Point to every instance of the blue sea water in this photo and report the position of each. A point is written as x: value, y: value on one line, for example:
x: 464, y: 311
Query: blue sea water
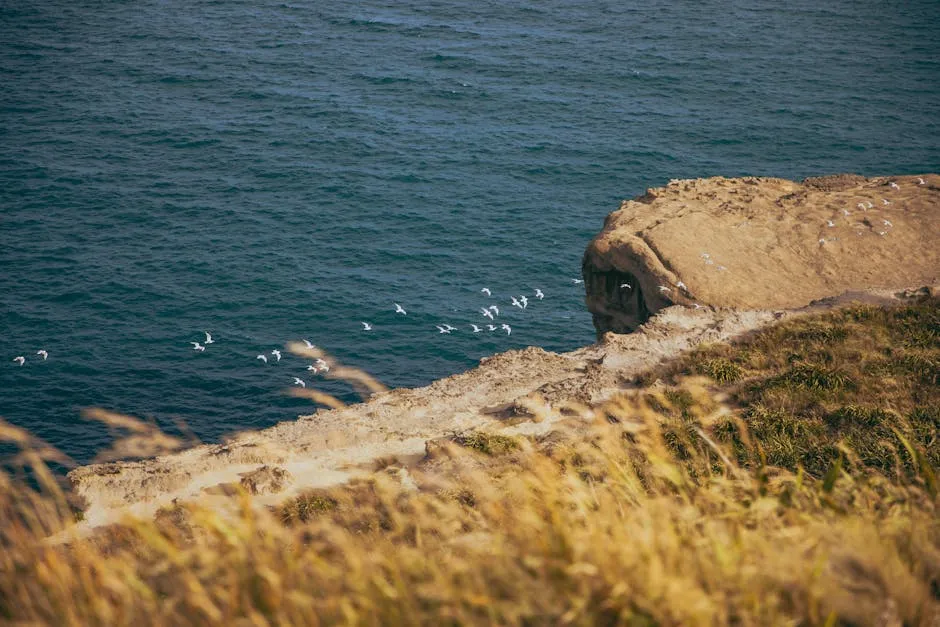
x: 272, y: 170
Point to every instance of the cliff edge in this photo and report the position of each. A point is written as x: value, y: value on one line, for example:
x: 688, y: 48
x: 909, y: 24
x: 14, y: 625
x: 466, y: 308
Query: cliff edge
x: 761, y: 243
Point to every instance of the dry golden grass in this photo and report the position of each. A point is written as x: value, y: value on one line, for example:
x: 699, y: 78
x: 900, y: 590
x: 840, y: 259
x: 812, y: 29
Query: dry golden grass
x: 658, y: 508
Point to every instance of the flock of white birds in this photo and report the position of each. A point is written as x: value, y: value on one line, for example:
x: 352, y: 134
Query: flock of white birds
x: 489, y: 312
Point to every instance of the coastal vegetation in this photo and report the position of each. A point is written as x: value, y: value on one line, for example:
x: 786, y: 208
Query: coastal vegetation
x: 785, y: 478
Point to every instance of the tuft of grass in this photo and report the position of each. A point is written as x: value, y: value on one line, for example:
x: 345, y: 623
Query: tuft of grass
x: 720, y: 369
x: 487, y: 443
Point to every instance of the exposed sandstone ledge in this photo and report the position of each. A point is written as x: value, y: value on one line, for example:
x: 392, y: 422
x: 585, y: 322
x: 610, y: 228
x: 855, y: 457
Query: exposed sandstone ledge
x: 761, y: 243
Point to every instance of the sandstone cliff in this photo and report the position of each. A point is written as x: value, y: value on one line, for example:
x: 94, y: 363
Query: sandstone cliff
x: 750, y: 249
x: 761, y: 243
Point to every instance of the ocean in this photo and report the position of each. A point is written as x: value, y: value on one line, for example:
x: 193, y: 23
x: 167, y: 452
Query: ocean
x: 270, y: 171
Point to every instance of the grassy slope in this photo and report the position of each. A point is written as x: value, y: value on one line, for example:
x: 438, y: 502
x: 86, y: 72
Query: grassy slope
x: 793, y: 484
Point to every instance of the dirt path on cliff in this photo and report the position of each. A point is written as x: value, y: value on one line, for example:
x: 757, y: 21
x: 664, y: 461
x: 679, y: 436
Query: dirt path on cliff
x: 332, y: 446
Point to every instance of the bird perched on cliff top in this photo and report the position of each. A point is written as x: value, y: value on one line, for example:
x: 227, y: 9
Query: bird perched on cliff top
x: 830, y: 223
x: 198, y: 347
x: 663, y: 288
x: 209, y: 339
x: 20, y: 360
x: 300, y: 382
x: 846, y: 212
x: 506, y: 328
x: 277, y: 354
x: 524, y: 300
x: 538, y: 294
x: 885, y: 202
x: 486, y: 312
x: 262, y: 358
x: 681, y: 285
x: 487, y: 291
x: 476, y: 329
x: 887, y: 222
x: 868, y: 205
x: 399, y: 309
x: 921, y: 181
x: 366, y: 326
x: 43, y: 354
x: 894, y: 185
x: 861, y: 206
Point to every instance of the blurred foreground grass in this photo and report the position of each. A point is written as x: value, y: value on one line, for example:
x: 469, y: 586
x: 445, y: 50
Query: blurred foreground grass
x: 787, y: 479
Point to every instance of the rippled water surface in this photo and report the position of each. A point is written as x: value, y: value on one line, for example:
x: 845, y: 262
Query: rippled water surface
x: 275, y: 170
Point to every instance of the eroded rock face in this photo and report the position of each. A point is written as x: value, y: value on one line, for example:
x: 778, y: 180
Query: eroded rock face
x: 266, y: 480
x: 761, y: 243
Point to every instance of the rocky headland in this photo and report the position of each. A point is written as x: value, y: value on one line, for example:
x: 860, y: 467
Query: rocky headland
x: 697, y: 261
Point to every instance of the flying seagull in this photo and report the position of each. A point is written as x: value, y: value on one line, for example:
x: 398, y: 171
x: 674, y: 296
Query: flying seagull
x: 516, y: 303
x: 507, y: 328
x: 300, y: 382
x: 450, y: 328
x: 491, y: 327
x: 43, y: 354
x: 366, y: 326
x: 262, y: 358
x: 277, y: 354
x: 399, y: 309
x: 476, y: 329
x: 525, y: 301
x: 486, y: 312
x: 487, y: 291
x: 442, y: 329
x: 494, y: 309
x: 20, y: 360
x: 921, y: 181
x: 626, y: 286
x: 209, y: 339
x: 198, y: 347
x: 538, y: 294
x: 576, y: 281
x: 308, y: 344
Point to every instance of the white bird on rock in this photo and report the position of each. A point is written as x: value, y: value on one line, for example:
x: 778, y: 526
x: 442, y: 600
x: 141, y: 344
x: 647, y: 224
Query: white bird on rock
x: 366, y: 326
x: 209, y: 339
x: 198, y: 347
x: 868, y: 205
x: 277, y: 354
x: 486, y: 312
x: 399, y: 309
x: 681, y: 285
x: 300, y: 382
x: 43, y: 354
x: 845, y: 212
x: 830, y: 223
x: 538, y: 294
x: 887, y: 222
x: 663, y: 288
x: 894, y: 185
x: 20, y: 360
x: 487, y: 291
x: 921, y: 181
x: 885, y: 202
x: 506, y: 328
x: 262, y: 358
